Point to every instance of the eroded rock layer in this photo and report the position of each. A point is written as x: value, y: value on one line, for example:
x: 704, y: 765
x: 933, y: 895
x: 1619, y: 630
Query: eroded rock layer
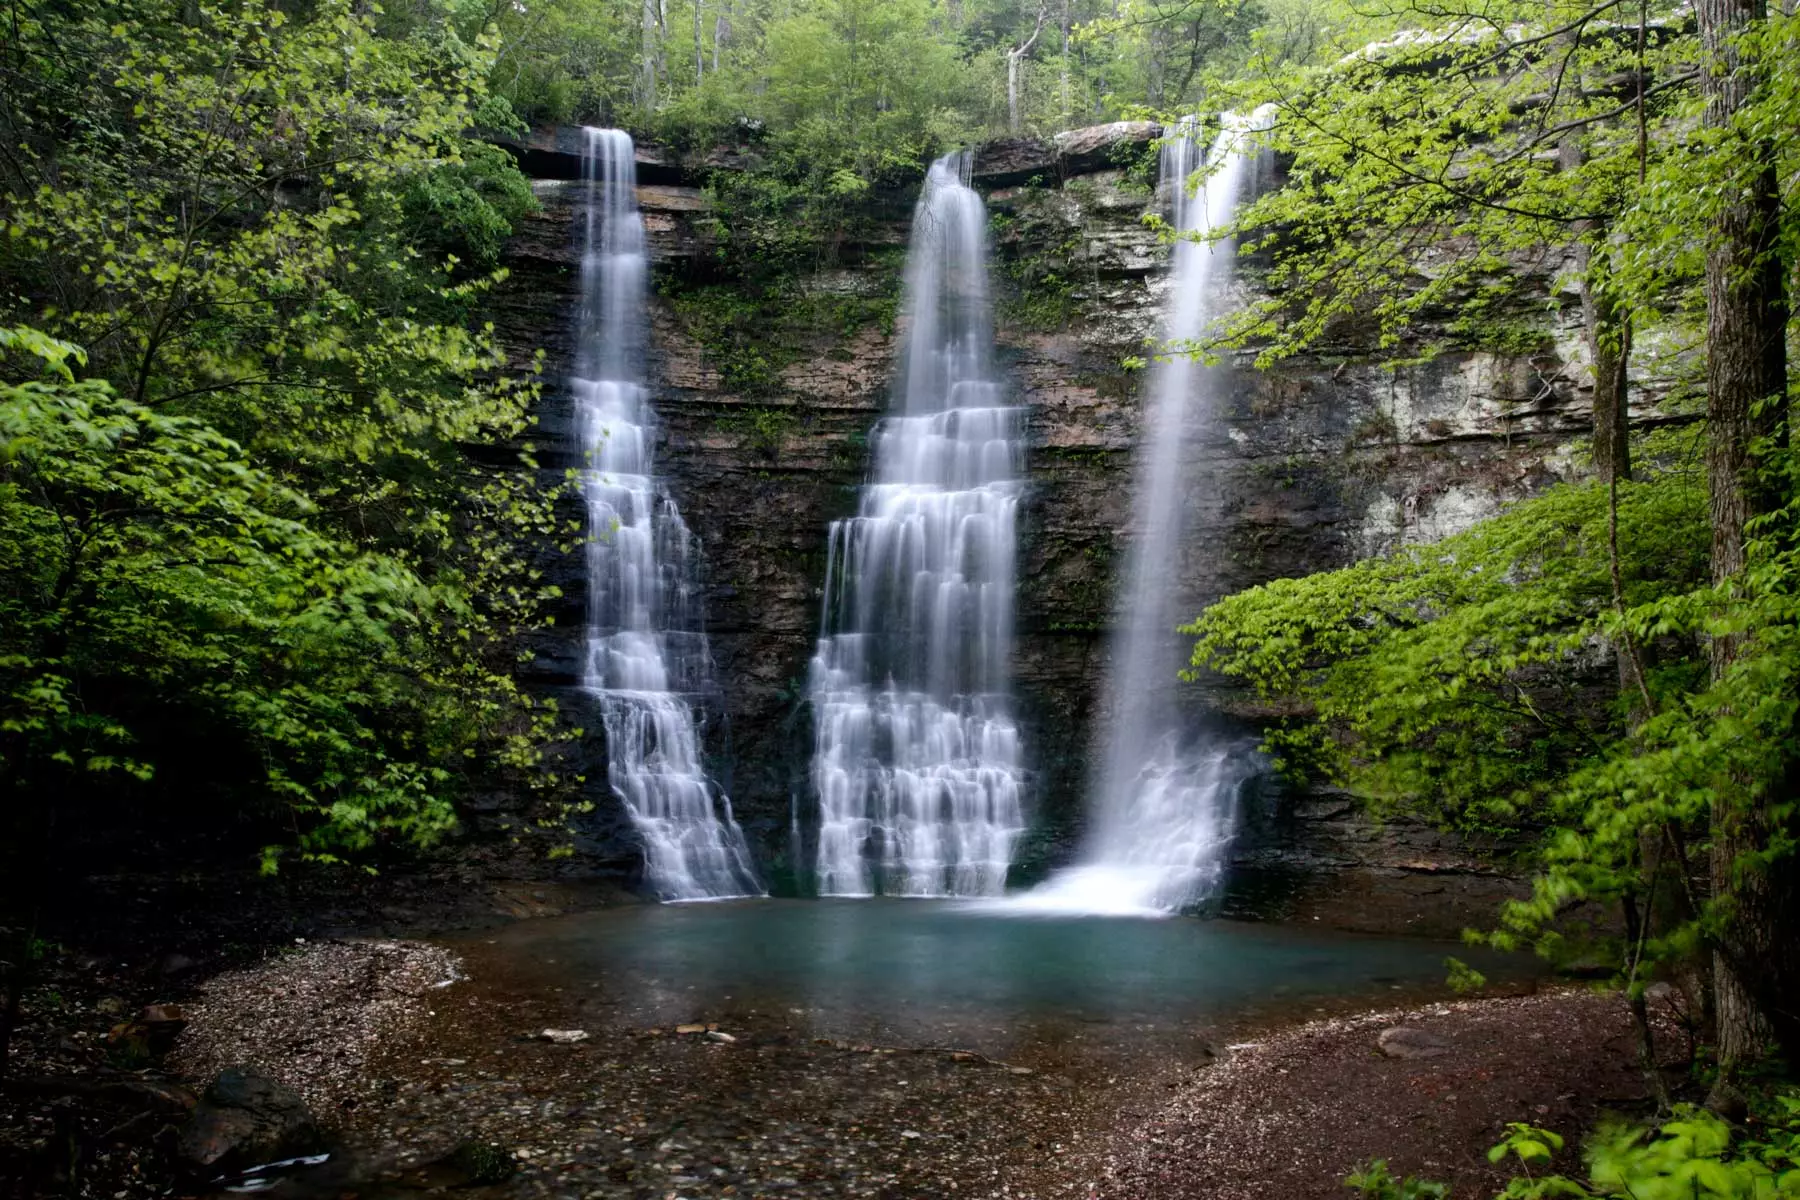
x: 766, y: 404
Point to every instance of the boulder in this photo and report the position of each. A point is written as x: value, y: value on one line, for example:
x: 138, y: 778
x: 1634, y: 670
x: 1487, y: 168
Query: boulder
x: 1100, y: 147
x: 1006, y: 162
x: 245, y: 1119
x: 1408, y: 1041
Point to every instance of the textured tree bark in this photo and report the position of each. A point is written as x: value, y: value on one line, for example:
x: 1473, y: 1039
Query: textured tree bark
x: 1746, y: 322
x: 1015, y: 65
x: 651, y: 14
x: 1609, y: 346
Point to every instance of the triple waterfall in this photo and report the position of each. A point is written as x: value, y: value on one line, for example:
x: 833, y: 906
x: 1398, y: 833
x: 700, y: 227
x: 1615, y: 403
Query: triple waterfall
x: 917, y: 769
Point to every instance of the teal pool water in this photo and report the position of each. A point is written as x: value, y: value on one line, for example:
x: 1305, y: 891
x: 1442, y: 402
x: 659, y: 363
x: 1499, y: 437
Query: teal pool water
x: 945, y: 969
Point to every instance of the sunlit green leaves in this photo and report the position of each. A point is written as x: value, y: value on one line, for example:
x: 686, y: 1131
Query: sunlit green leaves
x: 268, y: 236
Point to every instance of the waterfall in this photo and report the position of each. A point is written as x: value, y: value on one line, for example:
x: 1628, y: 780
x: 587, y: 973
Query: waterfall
x: 916, y: 761
x: 1165, y: 804
x: 647, y: 661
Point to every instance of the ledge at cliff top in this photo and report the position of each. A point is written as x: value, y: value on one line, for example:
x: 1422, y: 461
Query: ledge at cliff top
x: 554, y: 152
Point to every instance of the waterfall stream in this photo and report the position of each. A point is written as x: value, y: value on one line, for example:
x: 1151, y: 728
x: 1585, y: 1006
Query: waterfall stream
x: 1165, y: 803
x: 917, y: 760
x: 647, y: 661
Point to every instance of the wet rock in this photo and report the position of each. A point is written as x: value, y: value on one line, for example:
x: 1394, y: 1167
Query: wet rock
x: 245, y: 1118
x: 563, y: 1037
x: 1409, y: 1041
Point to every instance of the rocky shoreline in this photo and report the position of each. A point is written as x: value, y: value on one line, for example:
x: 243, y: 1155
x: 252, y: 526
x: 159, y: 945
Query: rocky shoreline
x: 427, y: 1072
x: 1429, y: 1090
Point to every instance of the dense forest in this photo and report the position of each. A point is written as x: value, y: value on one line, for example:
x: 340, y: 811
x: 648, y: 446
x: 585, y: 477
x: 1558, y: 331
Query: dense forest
x: 273, y: 524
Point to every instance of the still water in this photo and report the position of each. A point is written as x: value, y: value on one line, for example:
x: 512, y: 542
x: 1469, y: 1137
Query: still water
x: 960, y: 971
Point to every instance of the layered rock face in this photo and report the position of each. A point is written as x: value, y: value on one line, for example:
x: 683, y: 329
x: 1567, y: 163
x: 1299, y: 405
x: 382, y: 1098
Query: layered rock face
x: 1318, y: 462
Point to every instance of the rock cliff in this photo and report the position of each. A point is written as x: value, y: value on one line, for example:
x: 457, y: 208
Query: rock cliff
x: 1322, y: 460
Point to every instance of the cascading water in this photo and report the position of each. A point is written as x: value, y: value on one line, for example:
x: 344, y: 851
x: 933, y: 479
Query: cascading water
x: 647, y: 661
x: 917, y: 762
x: 1164, y: 807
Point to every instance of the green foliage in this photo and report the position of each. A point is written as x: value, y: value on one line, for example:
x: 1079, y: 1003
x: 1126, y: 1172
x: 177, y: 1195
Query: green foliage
x: 1462, y: 977
x: 1689, y: 1155
x: 1376, y: 1182
x: 243, y: 514
x: 467, y: 208
x: 854, y: 91
x: 761, y: 430
x: 1443, y: 675
x: 1443, y: 160
x: 145, y: 555
x: 1446, y: 680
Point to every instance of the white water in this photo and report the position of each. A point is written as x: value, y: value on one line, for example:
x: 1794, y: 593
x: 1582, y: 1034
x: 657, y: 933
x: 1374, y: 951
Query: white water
x: 647, y: 659
x: 1165, y: 804
x: 916, y: 761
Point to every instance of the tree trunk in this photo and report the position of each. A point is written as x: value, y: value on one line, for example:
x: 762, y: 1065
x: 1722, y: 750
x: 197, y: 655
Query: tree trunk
x: 1746, y: 320
x: 1063, y: 78
x: 651, y: 16
x: 1015, y: 64
x: 1609, y: 347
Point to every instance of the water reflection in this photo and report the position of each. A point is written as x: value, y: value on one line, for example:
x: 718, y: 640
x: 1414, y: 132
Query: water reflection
x: 945, y: 969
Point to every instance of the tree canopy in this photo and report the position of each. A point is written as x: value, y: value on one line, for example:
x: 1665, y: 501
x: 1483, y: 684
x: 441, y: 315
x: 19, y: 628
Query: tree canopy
x: 244, y: 247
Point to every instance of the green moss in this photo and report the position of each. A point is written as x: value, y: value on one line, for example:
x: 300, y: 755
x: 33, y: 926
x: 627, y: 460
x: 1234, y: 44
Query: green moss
x: 1037, y: 243
x: 751, y: 334
x: 761, y: 429
x: 1085, y: 455
x: 484, y: 1163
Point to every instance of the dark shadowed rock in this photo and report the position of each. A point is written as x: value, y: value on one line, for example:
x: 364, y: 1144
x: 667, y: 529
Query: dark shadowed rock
x: 1008, y: 161
x: 245, y: 1119
x: 1408, y: 1041
x: 554, y: 152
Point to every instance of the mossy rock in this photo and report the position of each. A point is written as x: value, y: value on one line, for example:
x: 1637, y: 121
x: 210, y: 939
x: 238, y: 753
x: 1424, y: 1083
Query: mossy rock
x: 483, y: 1163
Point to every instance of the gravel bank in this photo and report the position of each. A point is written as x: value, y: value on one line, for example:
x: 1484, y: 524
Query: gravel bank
x: 316, y: 1016
x: 1288, y: 1116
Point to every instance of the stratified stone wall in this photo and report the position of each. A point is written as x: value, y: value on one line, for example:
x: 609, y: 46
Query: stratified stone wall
x: 1321, y: 461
